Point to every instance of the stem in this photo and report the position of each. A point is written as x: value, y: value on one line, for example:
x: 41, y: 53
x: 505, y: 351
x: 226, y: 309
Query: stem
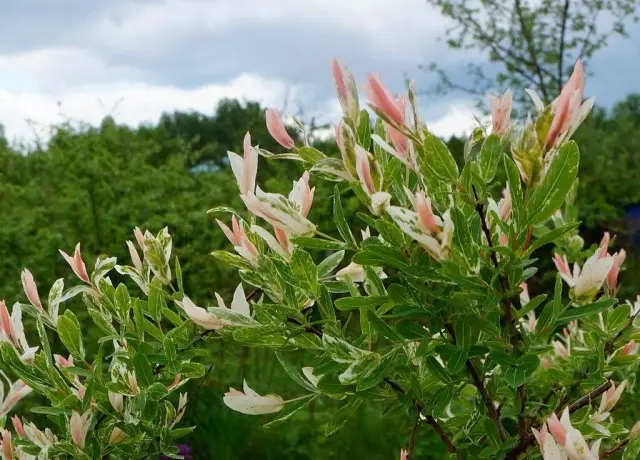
x: 328, y: 237
x: 300, y: 398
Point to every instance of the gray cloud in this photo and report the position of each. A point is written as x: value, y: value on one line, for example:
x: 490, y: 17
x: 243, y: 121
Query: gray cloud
x: 72, y: 45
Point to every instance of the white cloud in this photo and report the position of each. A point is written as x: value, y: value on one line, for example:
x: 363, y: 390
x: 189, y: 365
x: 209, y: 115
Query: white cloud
x: 400, y: 25
x: 458, y: 120
x: 52, y: 69
x: 26, y: 115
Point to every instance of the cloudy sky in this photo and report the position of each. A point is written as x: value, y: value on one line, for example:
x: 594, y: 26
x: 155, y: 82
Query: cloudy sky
x: 134, y: 59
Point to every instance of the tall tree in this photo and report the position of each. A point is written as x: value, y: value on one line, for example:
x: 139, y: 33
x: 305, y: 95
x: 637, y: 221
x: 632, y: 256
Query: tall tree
x: 529, y: 43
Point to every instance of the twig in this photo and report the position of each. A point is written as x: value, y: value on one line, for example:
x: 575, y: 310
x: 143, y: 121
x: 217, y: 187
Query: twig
x: 613, y: 450
x: 310, y: 329
x: 527, y: 441
x: 414, y: 435
x: 428, y: 419
x: 195, y: 392
x: 479, y: 384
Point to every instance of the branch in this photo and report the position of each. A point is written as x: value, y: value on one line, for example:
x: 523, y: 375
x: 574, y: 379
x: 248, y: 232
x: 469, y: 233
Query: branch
x: 440, y: 432
x: 491, y: 409
x: 522, y: 421
x: 494, y: 258
x: 587, y: 398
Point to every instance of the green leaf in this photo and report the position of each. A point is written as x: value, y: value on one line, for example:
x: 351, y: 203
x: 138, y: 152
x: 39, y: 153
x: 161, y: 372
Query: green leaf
x: 193, y: 370
x: 463, y: 335
x: 156, y: 392
x: 436, y: 369
x: 123, y: 301
x: 350, y: 303
x: 340, y: 221
x: 490, y: 156
x: 70, y: 335
x: 391, y: 233
x: 178, y: 271
x: 503, y: 358
x: 325, y: 305
x: 553, y: 189
x: 289, y: 410
x: 381, y: 256
x: 383, y: 328
x: 142, y: 366
x: 441, y: 399
x: 550, y: 312
x: 586, y: 310
x: 153, y: 330
x: 304, y: 269
x: 618, y: 318
x: 551, y: 236
x: 330, y: 263
x: 491, y: 430
x: 436, y: 160
x: 532, y: 305
x: 293, y: 372
x: 48, y: 410
x: 342, y: 415
x: 44, y: 340
x: 317, y: 243
x: 632, y: 451
x: 456, y: 361
x: 517, y: 375
x: 400, y: 295
x: 364, y: 130
x: 234, y: 260
x: 515, y: 188
x: 377, y: 372
x: 138, y: 318
x: 310, y: 154
x: 154, y: 305
x: 178, y: 433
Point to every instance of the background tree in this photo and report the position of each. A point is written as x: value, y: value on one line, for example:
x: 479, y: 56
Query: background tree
x: 530, y: 44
